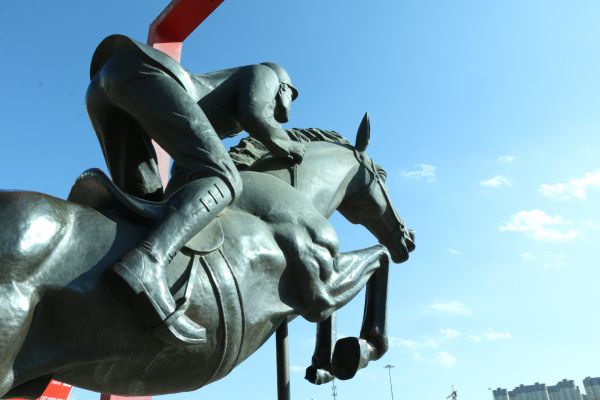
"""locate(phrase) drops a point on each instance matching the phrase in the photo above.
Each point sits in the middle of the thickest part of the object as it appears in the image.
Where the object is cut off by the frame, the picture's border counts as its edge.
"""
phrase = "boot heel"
(125, 281)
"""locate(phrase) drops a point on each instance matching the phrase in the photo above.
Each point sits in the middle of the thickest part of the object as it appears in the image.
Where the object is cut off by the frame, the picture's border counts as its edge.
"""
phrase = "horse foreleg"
(351, 353)
(327, 283)
(350, 272)
(319, 372)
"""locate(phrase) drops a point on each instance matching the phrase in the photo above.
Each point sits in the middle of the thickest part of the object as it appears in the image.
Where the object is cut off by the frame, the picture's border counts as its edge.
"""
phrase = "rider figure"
(136, 94)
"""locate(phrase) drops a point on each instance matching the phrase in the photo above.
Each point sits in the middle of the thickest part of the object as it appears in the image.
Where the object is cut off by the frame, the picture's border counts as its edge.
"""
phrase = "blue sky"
(485, 115)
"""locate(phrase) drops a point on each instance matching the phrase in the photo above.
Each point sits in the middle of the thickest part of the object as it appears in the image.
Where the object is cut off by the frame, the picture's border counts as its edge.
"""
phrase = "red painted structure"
(167, 33)
(105, 396)
(55, 391)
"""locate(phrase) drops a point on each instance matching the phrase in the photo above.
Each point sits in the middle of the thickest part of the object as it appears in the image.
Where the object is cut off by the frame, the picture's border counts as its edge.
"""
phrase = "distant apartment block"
(563, 390)
(500, 394)
(592, 388)
(537, 391)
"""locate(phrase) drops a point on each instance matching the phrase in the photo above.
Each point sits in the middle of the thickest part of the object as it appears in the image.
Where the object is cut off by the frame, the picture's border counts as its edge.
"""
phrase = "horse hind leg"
(319, 371)
(16, 315)
(33, 226)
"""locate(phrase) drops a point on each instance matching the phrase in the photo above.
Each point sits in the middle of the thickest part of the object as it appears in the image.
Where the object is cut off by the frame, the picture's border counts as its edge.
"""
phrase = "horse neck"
(325, 173)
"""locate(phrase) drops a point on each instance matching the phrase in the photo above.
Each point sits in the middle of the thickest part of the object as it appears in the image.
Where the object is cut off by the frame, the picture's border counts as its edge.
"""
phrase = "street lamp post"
(389, 368)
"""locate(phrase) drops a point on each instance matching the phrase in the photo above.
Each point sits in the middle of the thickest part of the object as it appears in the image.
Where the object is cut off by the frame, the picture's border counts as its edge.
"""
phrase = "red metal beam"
(167, 33)
(54, 391)
(179, 19)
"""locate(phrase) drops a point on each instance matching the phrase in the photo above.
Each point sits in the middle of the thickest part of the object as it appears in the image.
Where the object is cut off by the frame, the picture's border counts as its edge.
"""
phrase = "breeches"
(133, 100)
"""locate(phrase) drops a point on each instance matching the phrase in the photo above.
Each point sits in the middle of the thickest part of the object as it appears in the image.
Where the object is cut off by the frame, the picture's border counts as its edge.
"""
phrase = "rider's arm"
(256, 107)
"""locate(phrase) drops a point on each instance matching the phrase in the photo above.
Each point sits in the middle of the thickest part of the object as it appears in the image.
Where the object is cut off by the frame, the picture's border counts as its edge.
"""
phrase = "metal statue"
(271, 255)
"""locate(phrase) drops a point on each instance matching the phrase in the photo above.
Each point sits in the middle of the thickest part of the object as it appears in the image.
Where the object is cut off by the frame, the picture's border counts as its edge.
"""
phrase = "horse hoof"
(349, 355)
(318, 376)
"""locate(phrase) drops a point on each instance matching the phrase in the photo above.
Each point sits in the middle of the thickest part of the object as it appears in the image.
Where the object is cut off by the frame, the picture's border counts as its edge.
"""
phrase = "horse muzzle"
(400, 244)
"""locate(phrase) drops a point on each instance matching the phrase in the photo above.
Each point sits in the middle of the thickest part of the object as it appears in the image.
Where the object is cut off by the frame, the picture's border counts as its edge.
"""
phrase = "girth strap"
(231, 311)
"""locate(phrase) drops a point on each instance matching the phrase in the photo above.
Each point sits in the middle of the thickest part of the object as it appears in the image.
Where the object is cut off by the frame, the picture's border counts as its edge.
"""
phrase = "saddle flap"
(208, 239)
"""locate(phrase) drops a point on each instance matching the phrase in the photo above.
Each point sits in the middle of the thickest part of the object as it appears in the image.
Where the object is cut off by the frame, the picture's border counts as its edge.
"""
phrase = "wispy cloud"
(450, 333)
(573, 189)
(424, 343)
(496, 182)
(490, 335)
(445, 359)
(442, 358)
(421, 171)
(550, 260)
(454, 252)
(506, 159)
(540, 226)
(451, 307)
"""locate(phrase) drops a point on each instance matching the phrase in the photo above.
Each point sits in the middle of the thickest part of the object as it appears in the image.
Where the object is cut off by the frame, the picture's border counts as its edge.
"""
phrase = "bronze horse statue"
(271, 256)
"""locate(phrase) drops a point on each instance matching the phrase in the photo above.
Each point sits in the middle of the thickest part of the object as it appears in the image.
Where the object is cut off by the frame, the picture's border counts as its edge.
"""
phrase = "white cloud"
(475, 338)
(496, 181)
(413, 344)
(550, 260)
(540, 226)
(454, 252)
(452, 307)
(445, 359)
(573, 189)
(491, 334)
(450, 333)
(506, 159)
(528, 256)
(442, 358)
(421, 171)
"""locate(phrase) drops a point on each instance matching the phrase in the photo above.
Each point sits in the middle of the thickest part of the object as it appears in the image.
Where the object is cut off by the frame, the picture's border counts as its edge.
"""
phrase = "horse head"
(369, 204)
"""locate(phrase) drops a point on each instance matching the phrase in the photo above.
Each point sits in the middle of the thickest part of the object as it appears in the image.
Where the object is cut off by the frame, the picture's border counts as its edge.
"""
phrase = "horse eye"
(381, 173)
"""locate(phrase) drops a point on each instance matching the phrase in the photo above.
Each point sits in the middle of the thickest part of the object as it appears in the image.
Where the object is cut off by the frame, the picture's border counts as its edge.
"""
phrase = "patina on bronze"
(60, 320)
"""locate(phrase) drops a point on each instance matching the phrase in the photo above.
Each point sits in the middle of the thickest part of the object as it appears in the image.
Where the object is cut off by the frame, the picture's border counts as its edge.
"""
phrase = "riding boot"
(141, 275)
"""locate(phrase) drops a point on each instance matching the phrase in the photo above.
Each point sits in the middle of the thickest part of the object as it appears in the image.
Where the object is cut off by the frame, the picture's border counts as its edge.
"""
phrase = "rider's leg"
(141, 273)
(163, 111)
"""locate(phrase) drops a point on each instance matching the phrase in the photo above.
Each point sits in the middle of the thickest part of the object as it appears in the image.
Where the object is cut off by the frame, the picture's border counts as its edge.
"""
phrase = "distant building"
(501, 394)
(592, 388)
(537, 391)
(564, 390)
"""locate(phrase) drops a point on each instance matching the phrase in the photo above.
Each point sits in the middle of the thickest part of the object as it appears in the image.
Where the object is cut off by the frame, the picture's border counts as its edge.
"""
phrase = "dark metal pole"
(389, 368)
(283, 363)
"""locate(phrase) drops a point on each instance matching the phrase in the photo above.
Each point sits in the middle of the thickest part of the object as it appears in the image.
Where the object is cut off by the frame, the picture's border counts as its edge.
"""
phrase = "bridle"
(376, 180)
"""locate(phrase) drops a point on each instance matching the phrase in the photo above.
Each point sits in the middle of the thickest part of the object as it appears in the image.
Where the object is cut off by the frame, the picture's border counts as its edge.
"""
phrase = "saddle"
(96, 190)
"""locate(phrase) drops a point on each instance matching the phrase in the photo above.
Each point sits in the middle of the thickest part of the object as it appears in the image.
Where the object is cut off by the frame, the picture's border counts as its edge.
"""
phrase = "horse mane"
(249, 149)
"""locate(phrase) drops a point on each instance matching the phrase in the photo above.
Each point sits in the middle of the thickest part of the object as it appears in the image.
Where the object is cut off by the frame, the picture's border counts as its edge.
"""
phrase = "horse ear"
(364, 134)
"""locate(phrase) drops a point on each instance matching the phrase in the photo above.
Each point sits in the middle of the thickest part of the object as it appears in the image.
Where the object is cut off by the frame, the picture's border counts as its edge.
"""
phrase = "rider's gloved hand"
(296, 152)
